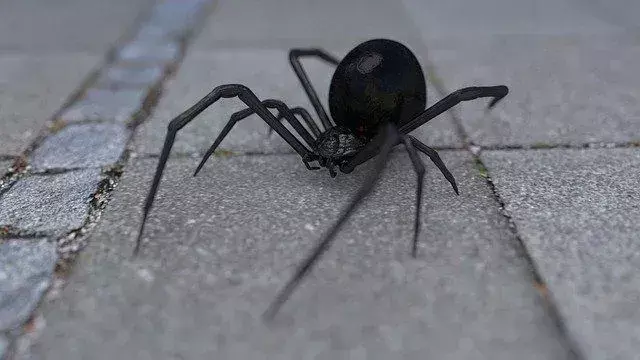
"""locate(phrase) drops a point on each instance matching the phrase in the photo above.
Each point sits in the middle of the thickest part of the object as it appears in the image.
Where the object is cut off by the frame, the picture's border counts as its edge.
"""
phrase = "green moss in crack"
(481, 168)
(541, 145)
(223, 153)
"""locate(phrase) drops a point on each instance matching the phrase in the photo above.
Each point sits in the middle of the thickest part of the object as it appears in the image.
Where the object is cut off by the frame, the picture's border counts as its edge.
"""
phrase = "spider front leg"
(283, 112)
(453, 99)
(223, 91)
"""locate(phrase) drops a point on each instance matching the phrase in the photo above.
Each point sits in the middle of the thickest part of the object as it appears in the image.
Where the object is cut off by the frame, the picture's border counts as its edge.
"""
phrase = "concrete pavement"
(75, 80)
(536, 258)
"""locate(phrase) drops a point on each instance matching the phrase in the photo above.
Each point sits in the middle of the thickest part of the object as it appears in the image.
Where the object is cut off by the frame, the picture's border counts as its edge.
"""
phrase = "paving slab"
(4, 346)
(52, 204)
(81, 146)
(32, 89)
(121, 105)
(563, 90)
(141, 50)
(218, 246)
(268, 73)
(306, 23)
(80, 25)
(467, 19)
(577, 212)
(26, 268)
(4, 166)
(125, 76)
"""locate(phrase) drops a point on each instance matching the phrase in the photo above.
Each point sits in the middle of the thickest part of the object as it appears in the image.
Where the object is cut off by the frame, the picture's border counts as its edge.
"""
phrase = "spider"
(377, 96)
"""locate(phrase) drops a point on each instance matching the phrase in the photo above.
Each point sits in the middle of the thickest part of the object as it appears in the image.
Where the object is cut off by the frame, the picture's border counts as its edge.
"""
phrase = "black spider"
(377, 97)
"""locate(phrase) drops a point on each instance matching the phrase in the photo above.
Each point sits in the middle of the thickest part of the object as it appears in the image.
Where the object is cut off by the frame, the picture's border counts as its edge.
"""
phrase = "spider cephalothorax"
(377, 97)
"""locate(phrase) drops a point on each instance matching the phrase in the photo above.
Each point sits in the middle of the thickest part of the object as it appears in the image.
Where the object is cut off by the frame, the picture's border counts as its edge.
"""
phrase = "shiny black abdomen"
(378, 81)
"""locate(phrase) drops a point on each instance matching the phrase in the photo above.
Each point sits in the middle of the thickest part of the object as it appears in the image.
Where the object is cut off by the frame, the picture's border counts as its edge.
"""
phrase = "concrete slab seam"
(475, 151)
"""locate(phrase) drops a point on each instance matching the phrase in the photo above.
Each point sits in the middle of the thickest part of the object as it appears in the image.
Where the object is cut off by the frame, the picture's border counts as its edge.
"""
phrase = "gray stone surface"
(121, 76)
(172, 20)
(32, 89)
(142, 51)
(577, 212)
(4, 166)
(473, 19)
(563, 90)
(220, 245)
(104, 104)
(36, 26)
(4, 346)
(268, 73)
(306, 23)
(83, 145)
(26, 268)
(50, 203)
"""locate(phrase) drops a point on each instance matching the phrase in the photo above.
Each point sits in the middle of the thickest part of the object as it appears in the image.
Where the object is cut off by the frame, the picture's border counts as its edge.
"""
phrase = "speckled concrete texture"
(32, 89)
(52, 204)
(26, 268)
(577, 212)
(81, 146)
(563, 90)
(218, 246)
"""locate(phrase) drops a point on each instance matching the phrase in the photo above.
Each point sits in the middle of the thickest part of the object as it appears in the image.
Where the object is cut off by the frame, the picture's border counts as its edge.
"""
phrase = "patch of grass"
(57, 125)
(481, 168)
(541, 145)
(223, 153)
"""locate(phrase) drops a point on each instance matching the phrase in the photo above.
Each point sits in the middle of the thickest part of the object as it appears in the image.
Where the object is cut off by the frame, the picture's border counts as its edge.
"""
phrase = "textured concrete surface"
(306, 23)
(269, 74)
(123, 76)
(577, 212)
(106, 105)
(26, 268)
(32, 89)
(49, 203)
(35, 26)
(143, 51)
(472, 20)
(4, 346)
(80, 146)
(4, 166)
(213, 259)
(563, 90)
(220, 245)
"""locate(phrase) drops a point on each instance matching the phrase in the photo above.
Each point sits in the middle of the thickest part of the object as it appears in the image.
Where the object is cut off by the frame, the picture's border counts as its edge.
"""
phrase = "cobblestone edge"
(157, 41)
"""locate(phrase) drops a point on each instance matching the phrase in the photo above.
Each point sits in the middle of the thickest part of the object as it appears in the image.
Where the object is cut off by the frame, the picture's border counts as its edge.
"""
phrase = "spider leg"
(294, 59)
(453, 99)
(223, 91)
(433, 155)
(388, 137)
(418, 165)
(306, 117)
(283, 111)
